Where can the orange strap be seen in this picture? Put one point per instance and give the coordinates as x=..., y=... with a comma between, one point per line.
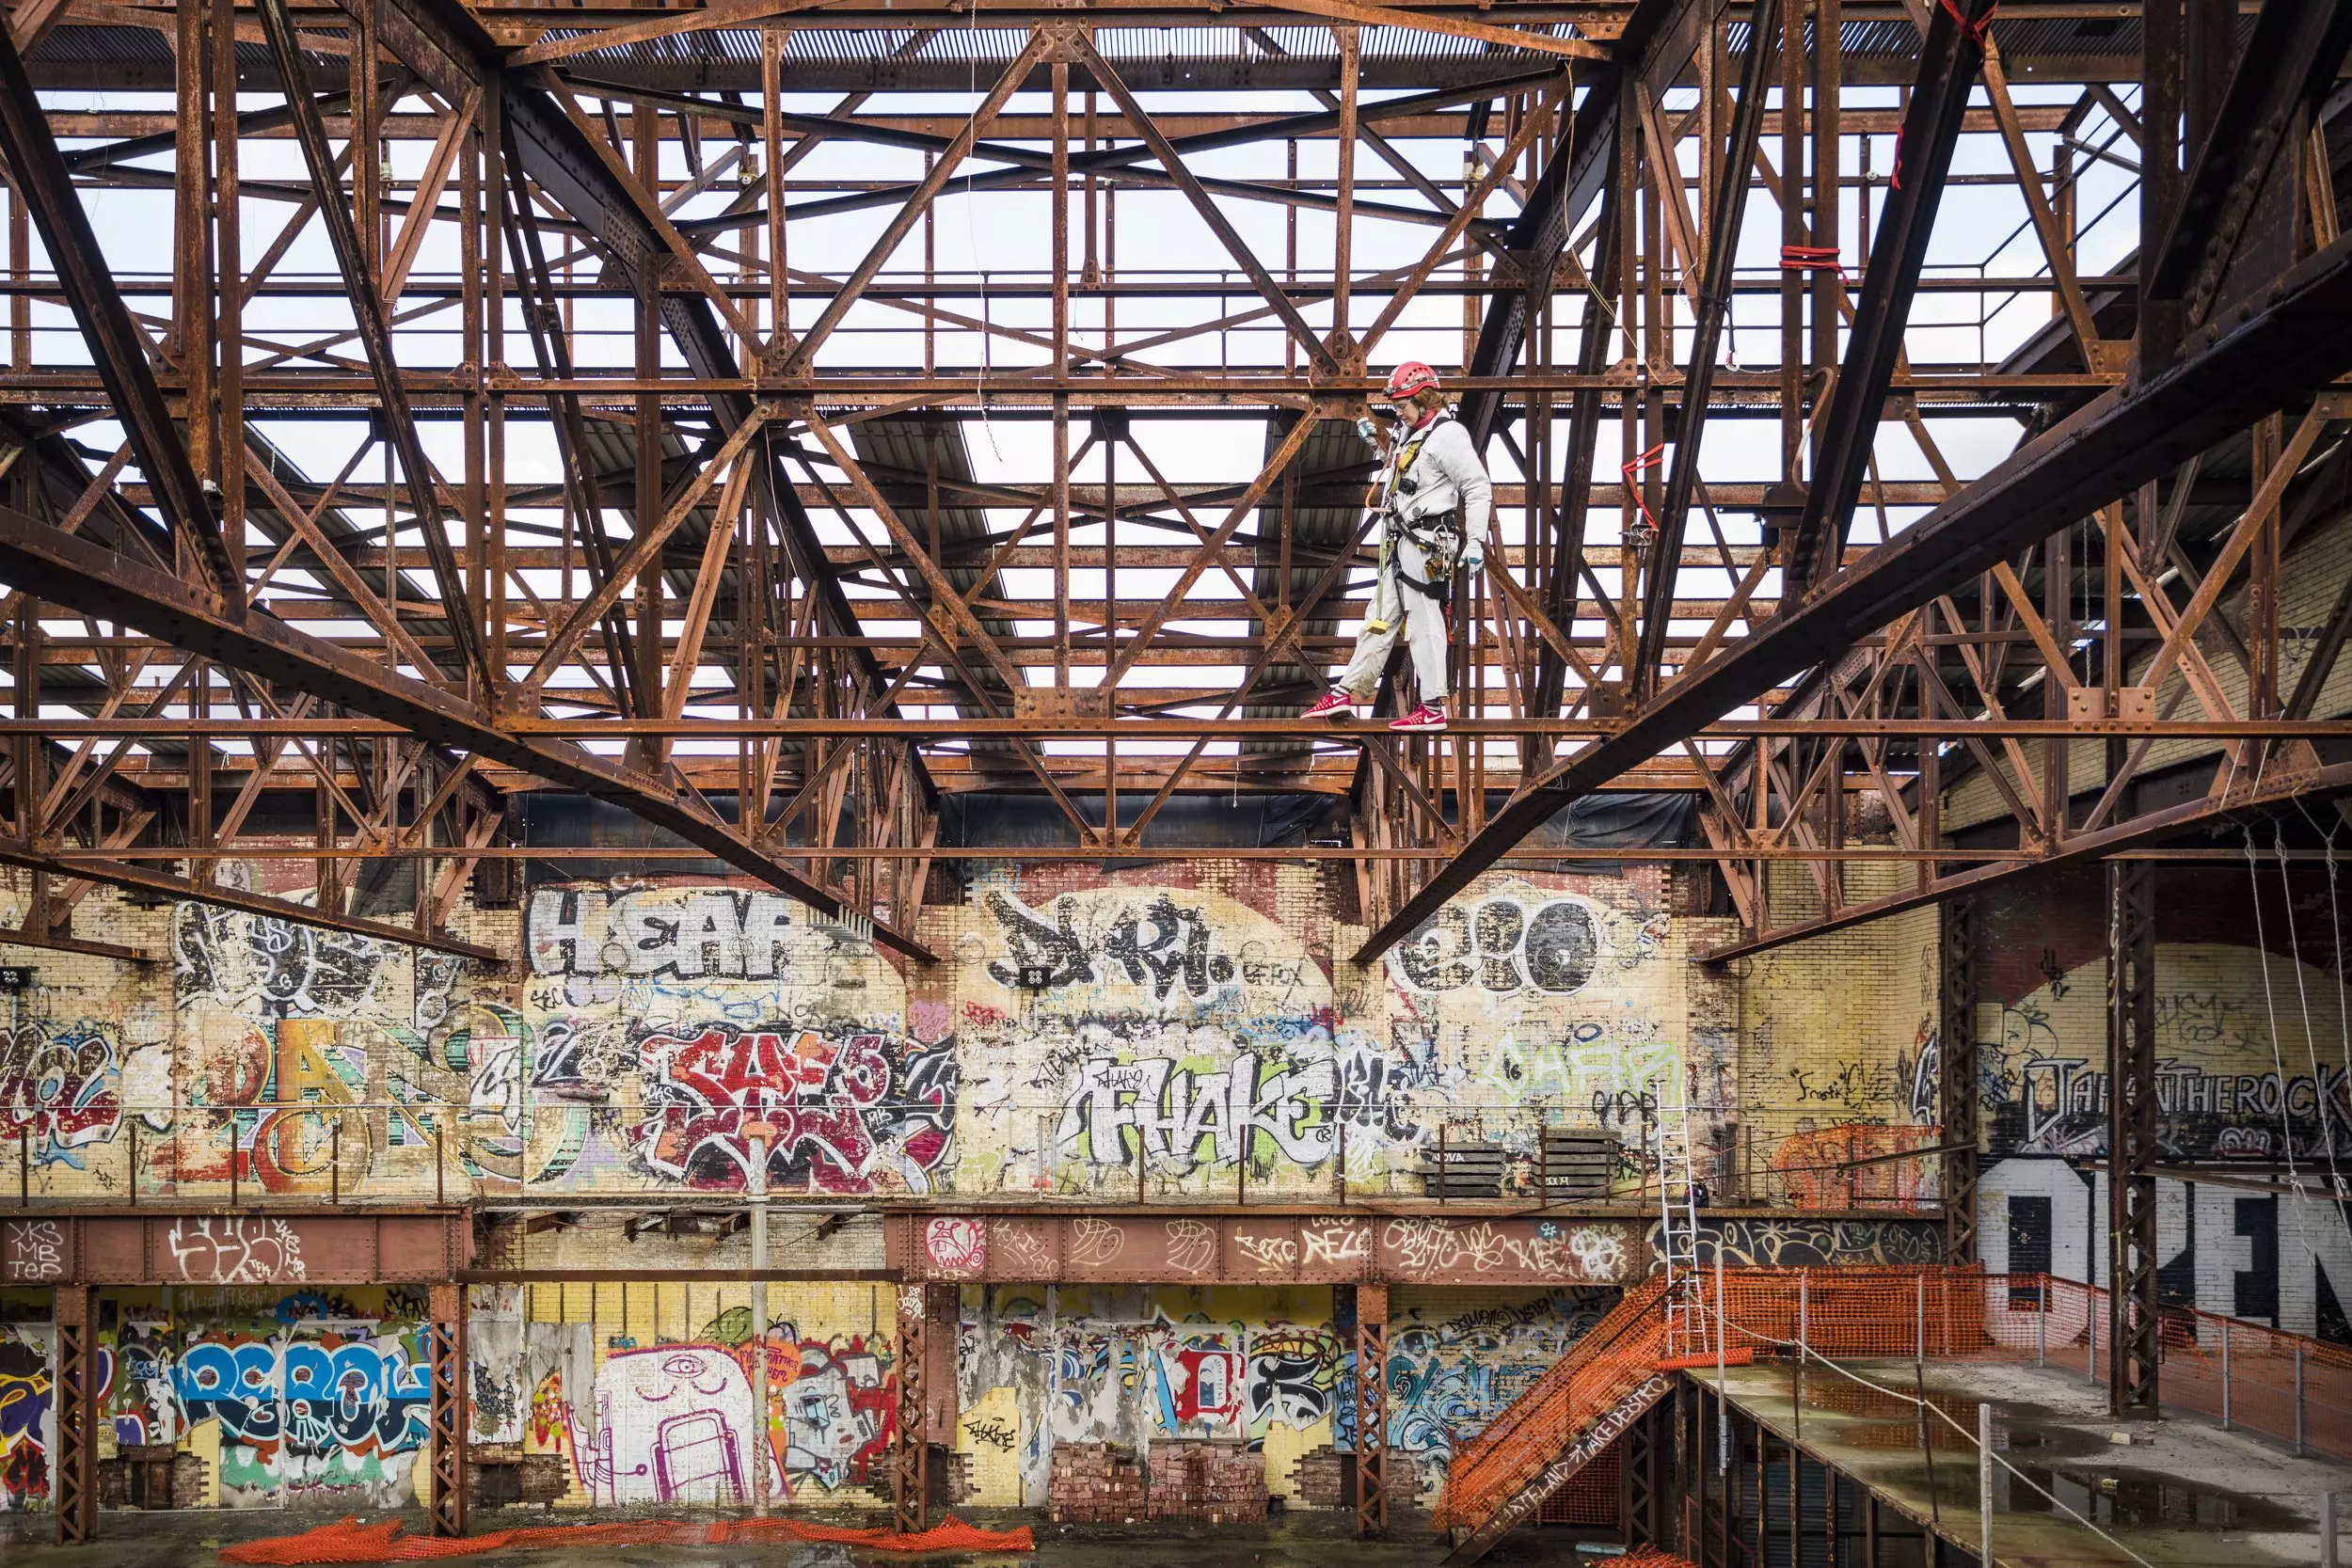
x=1978, y=32
x=1812, y=258
x=1653, y=458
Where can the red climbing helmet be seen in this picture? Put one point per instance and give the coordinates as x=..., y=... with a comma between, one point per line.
x=1408, y=379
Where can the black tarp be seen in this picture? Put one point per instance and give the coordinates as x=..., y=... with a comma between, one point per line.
x=1207, y=821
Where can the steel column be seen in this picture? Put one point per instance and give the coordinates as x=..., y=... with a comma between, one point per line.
x=1957, y=1094
x=73, y=1467
x=2132, y=1142
x=1372, y=1412
x=445, y=1351
x=909, y=1504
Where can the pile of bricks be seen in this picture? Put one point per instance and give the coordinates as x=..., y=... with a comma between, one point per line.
x=1321, y=1478
x=1094, y=1484
x=1219, y=1482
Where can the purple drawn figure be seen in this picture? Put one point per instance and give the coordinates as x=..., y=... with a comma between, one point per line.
x=673, y=1424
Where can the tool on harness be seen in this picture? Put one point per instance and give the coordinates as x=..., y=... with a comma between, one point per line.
x=1438, y=536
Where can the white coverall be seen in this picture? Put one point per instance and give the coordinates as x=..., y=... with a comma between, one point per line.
x=1444, y=475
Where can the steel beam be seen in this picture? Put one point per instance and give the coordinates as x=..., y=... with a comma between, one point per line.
x=450, y=51
x=2296, y=335
x=118, y=348
x=72, y=572
x=1949, y=61
x=110, y=872
x=1714, y=310
x=375, y=336
x=2287, y=67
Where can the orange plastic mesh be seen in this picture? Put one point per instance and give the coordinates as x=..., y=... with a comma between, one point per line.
x=1615, y=1358
x=2287, y=1387
x=1651, y=1556
x=1844, y=1313
x=349, y=1541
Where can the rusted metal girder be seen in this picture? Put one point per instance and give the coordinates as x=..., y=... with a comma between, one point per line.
x=2286, y=69
x=1949, y=61
x=375, y=336
x=2133, y=1297
x=448, y=49
x=243, y=1247
x=104, y=868
x=1569, y=183
x=73, y=572
x=1273, y=1249
x=1714, y=310
x=2289, y=339
x=39, y=178
x=942, y=731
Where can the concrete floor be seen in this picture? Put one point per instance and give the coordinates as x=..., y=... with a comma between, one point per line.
x=2187, y=1495
x=1297, y=1540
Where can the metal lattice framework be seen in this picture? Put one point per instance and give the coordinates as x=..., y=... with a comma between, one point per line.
x=445, y=1353
x=678, y=407
x=73, y=1472
x=910, y=1447
x=1372, y=1412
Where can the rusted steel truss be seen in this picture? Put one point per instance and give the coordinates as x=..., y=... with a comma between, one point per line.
x=752, y=586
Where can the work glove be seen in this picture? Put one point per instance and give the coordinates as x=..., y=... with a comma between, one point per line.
x=1370, y=431
x=1473, y=556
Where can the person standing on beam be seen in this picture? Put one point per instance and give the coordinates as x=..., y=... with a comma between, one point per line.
x=1434, y=499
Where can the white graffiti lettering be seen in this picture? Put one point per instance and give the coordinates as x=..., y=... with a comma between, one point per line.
x=706, y=932
x=235, y=1250
x=34, y=1249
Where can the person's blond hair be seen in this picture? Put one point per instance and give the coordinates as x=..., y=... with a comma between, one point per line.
x=1429, y=400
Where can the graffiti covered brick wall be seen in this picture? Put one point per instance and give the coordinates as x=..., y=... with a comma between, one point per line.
x=1193, y=1029
x=1204, y=1038
x=1039, y=1366
x=2251, y=1060
x=662, y=1021
x=647, y=1393
x=1839, y=1055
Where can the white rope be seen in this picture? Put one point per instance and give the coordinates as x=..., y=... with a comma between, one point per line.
x=1806, y=1353
x=2277, y=1057
x=2311, y=1046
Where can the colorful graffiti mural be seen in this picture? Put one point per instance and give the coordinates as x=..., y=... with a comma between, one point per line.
x=835, y=1105
x=27, y=1425
x=674, y=1422
x=60, y=1089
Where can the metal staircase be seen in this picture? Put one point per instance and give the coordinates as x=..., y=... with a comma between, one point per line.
x=1605, y=1383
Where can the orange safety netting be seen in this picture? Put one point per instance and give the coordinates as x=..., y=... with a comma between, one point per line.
x=1618, y=1356
x=1651, y=1556
x=349, y=1541
x=1847, y=1311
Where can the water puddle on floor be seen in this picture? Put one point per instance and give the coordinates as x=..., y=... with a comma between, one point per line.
x=2135, y=1497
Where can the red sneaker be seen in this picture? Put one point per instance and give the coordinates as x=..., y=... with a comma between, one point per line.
x=1334, y=704
x=1429, y=716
